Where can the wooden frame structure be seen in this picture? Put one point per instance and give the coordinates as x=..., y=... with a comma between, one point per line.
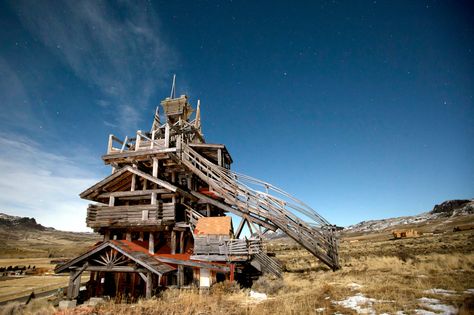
x=163, y=184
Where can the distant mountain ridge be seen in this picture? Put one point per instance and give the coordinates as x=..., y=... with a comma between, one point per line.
x=444, y=212
x=24, y=237
x=11, y=221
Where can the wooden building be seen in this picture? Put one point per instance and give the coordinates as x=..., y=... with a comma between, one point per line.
x=163, y=213
x=406, y=233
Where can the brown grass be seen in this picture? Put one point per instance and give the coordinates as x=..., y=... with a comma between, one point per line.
x=394, y=273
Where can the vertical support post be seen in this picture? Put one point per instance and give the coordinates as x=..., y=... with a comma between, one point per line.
x=134, y=182
x=151, y=243
x=152, y=139
x=149, y=285
x=145, y=184
x=167, y=135
x=180, y=276
x=111, y=201
x=107, y=236
x=70, y=287
x=153, y=198
x=109, y=146
x=77, y=285
x=181, y=242
x=208, y=210
x=155, y=167
x=219, y=157
x=128, y=236
x=140, y=238
x=173, y=242
x=137, y=142
x=232, y=271
x=189, y=182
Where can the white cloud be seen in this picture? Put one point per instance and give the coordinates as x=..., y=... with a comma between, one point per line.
x=119, y=49
x=43, y=185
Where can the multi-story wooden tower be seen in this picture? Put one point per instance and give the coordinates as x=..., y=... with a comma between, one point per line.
x=163, y=213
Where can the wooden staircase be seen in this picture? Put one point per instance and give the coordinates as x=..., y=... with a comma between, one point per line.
x=274, y=206
x=266, y=264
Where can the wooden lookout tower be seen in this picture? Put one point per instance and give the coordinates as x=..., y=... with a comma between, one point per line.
x=163, y=214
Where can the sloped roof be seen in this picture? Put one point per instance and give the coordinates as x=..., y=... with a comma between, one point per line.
x=214, y=226
x=133, y=251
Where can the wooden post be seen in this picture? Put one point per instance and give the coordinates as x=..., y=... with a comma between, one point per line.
x=111, y=201
x=134, y=182
x=219, y=157
x=232, y=270
x=167, y=135
x=180, y=276
x=70, y=287
x=155, y=167
x=107, y=236
x=149, y=285
x=109, y=147
x=153, y=198
x=181, y=242
x=140, y=238
x=208, y=210
x=137, y=142
x=173, y=242
x=128, y=236
x=77, y=285
x=151, y=243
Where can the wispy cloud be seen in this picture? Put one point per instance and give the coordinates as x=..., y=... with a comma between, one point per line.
x=118, y=49
x=43, y=185
x=14, y=99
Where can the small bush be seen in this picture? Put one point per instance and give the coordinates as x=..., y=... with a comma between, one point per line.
x=225, y=287
x=268, y=284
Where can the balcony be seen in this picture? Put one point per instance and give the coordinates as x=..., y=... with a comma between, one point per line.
x=130, y=216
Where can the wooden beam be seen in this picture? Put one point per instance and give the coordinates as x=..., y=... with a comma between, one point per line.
x=149, y=285
x=173, y=242
x=119, y=194
x=240, y=228
x=115, y=269
x=155, y=167
x=180, y=276
x=151, y=243
x=181, y=242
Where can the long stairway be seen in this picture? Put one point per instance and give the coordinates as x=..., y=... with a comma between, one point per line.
x=273, y=205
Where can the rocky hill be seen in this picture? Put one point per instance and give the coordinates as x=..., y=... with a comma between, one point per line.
x=442, y=217
x=23, y=237
x=15, y=222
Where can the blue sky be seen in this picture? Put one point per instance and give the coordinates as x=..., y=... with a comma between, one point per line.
x=362, y=109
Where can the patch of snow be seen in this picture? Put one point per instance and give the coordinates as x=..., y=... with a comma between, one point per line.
x=354, y=286
x=440, y=292
x=436, y=305
x=258, y=296
x=469, y=291
x=320, y=309
x=359, y=303
x=424, y=312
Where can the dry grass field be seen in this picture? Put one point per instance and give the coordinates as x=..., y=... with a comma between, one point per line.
x=25, y=243
x=425, y=275
x=13, y=287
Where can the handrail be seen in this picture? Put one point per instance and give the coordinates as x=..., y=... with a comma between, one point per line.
x=317, y=236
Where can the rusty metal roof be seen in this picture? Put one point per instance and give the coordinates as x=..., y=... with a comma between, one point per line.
x=132, y=250
x=214, y=226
